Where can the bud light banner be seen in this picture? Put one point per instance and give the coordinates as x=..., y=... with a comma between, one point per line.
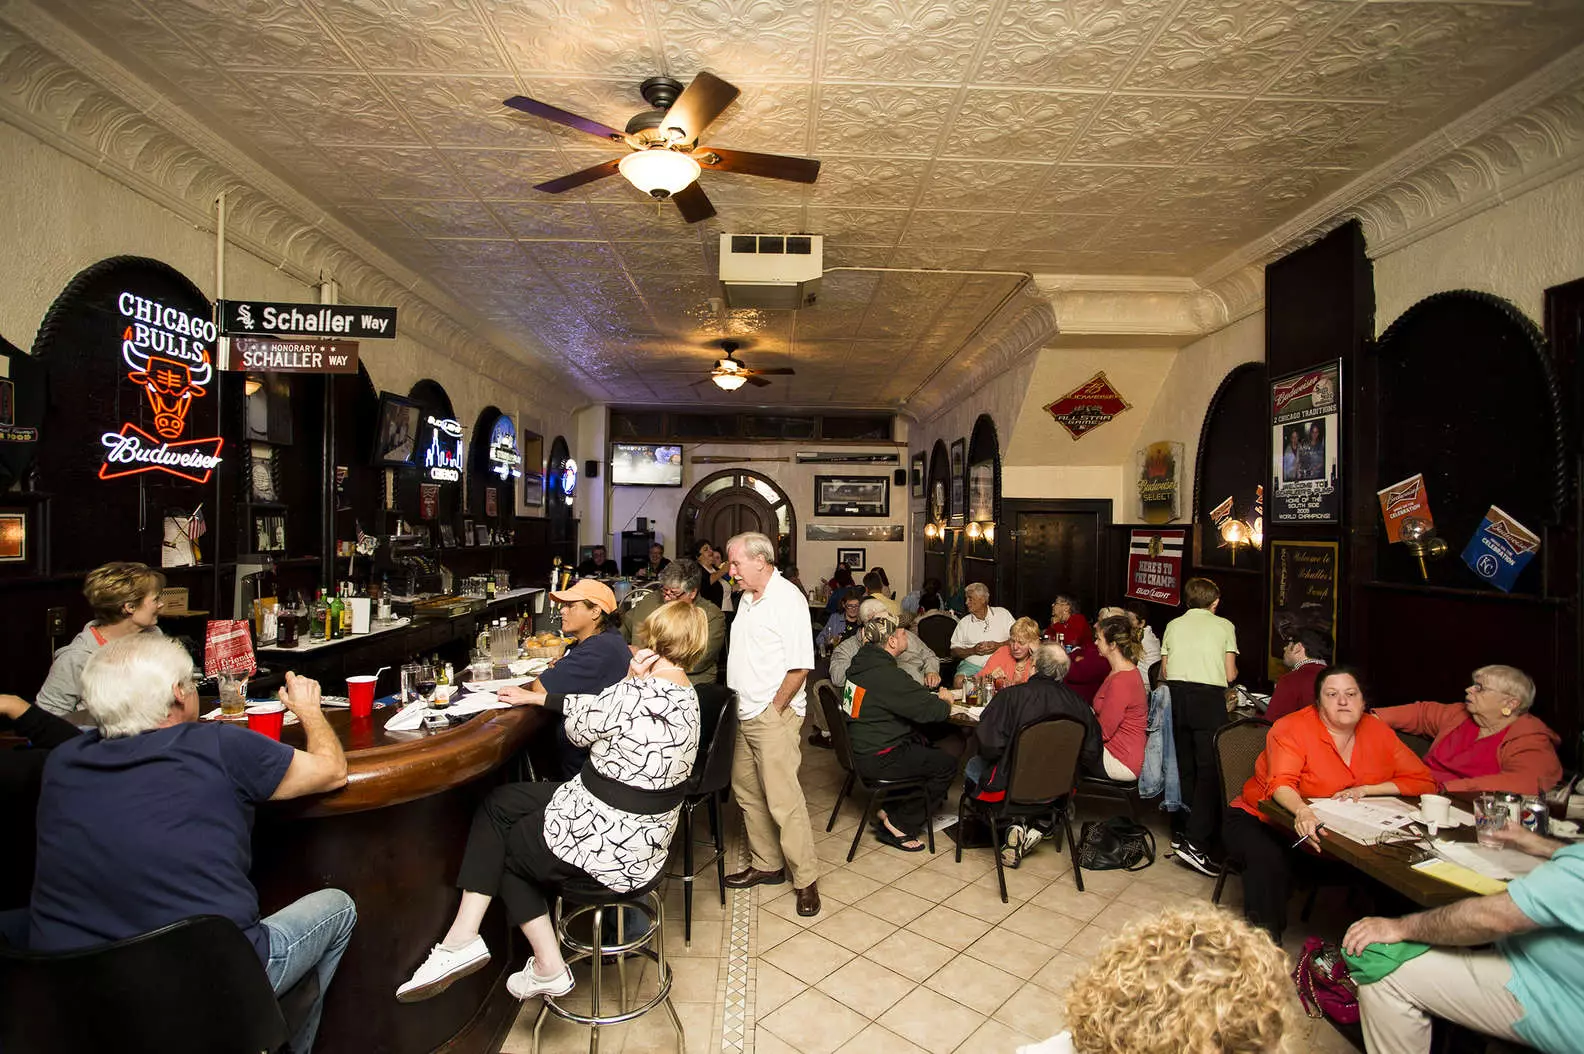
x=1154, y=571
x=1306, y=437
x=1500, y=549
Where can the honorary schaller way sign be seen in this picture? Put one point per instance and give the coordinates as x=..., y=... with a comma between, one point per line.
x=274, y=355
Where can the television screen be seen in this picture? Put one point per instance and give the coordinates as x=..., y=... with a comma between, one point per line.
x=645, y=465
x=398, y=430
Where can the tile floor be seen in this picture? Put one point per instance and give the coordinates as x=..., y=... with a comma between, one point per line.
x=911, y=952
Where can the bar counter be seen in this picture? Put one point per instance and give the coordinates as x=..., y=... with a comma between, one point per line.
x=392, y=838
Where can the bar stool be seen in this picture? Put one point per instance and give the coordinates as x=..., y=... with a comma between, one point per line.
x=594, y=902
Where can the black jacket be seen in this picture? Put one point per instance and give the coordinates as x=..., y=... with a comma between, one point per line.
x=884, y=705
x=1022, y=704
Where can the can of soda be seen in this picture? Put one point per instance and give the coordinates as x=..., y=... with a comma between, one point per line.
x=1535, y=816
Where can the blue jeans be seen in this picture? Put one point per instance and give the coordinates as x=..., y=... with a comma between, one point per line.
x=309, y=934
x=974, y=771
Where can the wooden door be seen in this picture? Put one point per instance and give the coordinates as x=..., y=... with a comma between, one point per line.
x=1056, y=548
x=732, y=512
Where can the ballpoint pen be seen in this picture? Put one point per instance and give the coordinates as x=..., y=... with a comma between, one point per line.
x=1318, y=828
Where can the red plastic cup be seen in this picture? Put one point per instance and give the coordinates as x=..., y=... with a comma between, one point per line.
x=360, y=690
x=267, y=719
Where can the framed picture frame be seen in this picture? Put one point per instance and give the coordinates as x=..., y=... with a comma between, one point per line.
x=916, y=475
x=1306, y=446
x=467, y=532
x=13, y=537
x=855, y=559
x=959, y=483
x=852, y=495
x=447, y=536
x=981, y=492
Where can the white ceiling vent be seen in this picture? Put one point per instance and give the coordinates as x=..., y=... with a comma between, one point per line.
x=771, y=271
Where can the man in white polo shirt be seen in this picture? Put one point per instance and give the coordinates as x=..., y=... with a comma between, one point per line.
x=980, y=632
x=772, y=651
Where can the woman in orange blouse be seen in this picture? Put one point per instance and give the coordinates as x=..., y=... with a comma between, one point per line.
x=1332, y=749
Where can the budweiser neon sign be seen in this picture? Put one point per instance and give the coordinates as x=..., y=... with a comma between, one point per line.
x=167, y=354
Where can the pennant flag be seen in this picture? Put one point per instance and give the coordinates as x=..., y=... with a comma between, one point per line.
x=1402, y=501
x=1500, y=549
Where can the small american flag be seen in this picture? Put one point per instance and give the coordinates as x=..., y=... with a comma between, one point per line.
x=361, y=537
x=195, y=524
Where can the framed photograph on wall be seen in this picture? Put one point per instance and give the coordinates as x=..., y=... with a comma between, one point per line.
x=855, y=559
x=1306, y=446
x=916, y=476
x=13, y=537
x=852, y=496
x=959, y=453
x=981, y=492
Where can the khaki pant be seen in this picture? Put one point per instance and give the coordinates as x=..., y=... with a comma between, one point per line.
x=765, y=781
x=1466, y=987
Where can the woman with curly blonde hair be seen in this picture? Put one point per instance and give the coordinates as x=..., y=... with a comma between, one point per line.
x=1193, y=981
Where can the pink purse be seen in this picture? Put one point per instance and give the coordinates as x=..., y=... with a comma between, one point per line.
x=1325, y=986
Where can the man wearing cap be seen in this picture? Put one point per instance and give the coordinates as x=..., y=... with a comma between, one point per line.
x=771, y=653
x=597, y=658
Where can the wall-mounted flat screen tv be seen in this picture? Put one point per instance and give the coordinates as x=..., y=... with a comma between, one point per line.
x=397, y=438
x=645, y=465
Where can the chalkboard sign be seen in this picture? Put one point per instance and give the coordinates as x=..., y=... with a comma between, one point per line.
x=1303, y=579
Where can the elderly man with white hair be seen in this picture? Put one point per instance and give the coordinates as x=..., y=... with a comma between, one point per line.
x=980, y=632
x=148, y=819
x=771, y=653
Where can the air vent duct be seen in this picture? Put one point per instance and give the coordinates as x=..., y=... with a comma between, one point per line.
x=777, y=272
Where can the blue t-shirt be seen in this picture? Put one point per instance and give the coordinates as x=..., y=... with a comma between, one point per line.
x=137, y=832
x=589, y=666
x=1548, y=963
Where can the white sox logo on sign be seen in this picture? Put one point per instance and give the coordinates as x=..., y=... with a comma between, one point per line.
x=245, y=316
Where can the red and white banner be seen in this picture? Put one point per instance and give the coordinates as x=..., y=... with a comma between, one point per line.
x=1154, y=569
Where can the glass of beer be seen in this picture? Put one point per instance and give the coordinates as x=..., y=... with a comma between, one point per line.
x=233, y=695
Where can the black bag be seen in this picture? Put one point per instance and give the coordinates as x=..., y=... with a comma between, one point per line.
x=1116, y=844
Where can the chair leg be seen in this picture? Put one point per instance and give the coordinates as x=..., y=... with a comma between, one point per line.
x=929, y=821
x=1215, y=898
x=1072, y=845
x=846, y=790
x=687, y=874
x=869, y=803
x=664, y=968
x=720, y=847
x=962, y=804
x=596, y=968
x=995, y=849
x=621, y=958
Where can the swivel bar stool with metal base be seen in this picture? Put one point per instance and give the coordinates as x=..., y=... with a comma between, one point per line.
x=596, y=903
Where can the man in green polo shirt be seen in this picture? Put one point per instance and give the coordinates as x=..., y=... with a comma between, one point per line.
x=1198, y=661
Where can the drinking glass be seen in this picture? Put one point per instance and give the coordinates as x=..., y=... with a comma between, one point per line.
x=1491, y=814
x=233, y=695
x=426, y=686
x=410, y=675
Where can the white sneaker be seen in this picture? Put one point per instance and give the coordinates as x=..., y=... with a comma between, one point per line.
x=443, y=968
x=525, y=984
x=1012, y=851
x=1032, y=837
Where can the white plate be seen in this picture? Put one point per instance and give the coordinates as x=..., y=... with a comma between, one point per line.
x=1564, y=828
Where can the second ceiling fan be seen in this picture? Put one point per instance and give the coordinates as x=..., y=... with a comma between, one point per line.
x=666, y=159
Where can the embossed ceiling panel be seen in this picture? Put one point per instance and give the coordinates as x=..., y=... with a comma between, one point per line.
x=1147, y=137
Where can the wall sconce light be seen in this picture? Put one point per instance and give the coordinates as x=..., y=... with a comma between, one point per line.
x=1420, y=539
x=989, y=533
x=1235, y=532
x=973, y=529
x=252, y=384
x=931, y=530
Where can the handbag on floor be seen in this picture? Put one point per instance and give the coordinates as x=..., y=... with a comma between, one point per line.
x=1117, y=844
x=1325, y=987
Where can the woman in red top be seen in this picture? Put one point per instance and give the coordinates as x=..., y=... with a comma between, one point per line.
x=1067, y=626
x=1332, y=749
x=1121, y=705
x=1489, y=742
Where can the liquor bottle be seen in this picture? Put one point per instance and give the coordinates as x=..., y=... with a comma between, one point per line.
x=333, y=630
x=318, y=617
x=346, y=610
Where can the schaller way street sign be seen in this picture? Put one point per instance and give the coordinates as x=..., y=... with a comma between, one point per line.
x=264, y=318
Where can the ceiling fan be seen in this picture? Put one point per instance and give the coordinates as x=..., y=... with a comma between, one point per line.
x=666, y=157
x=730, y=374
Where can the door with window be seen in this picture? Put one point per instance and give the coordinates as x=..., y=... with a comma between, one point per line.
x=1056, y=548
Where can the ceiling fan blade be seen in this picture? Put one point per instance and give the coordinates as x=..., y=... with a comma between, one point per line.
x=560, y=116
x=694, y=203
x=779, y=371
x=698, y=106
x=758, y=382
x=748, y=163
x=573, y=180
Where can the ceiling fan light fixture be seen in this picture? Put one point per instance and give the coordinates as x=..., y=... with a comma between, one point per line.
x=729, y=381
x=659, y=172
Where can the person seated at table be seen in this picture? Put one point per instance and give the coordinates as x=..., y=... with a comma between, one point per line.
x=1488, y=742
x=875, y=586
x=791, y=575
x=981, y=631
x=1331, y=749
x=124, y=598
x=843, y=623
x=1043, y=695
x=1138, y=614
x=926, y=598
x=21, y=769
x=1526, y=987
x=841, y=582
x=596, y=659
x=1067, y=624
x=1188, y=979
x=1121, y=704
x=1306, y=653
x=148, y=819
x=657, y=563
x=917, y=660
x=680, y=581
x=1013, y=662
x=885, y=709
x=1089, y=670
x=611, y=824
x=598, y=565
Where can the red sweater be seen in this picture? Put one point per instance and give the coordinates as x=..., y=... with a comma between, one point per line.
x=1122, y=710
x=1074, y=631
x=1526, y=758
x=1294, y=691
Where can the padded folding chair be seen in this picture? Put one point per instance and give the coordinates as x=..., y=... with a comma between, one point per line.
x=874, y=791
x=1237, y=747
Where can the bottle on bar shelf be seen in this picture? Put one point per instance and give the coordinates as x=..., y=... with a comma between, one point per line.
x=333, y=626
x=318, y=617
x=346, y=609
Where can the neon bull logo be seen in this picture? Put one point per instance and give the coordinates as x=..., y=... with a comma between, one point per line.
x=171, y=385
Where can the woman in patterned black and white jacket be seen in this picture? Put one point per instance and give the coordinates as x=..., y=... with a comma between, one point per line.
x=612, y=825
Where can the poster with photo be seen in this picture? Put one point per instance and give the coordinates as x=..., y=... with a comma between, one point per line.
x=1303, y=577
x=959, y=451
x=1306, y=446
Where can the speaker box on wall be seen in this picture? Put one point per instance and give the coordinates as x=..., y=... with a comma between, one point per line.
x=643, y=524
x=899, y=477
x=591, y=470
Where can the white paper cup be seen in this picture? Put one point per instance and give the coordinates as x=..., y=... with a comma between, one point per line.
x=1435, y=809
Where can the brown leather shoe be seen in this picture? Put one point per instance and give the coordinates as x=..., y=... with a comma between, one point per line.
x=808, y=900
x=752, y=876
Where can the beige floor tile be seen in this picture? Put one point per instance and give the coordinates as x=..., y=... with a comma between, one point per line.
x=1109, y=883
x=654, y=1034
x=1120, y=914
x=1048, y=860
x=1062, y=896
x=975, y=862
x=887, y=867
x=1056, y=976
x=814, y=1023
x=982, y=900
x=910, y=955
x=932, y=884
x=894, y=905
x=833, y=851
x=846, y=885
x=1022, y=883
x=1152, y=897
x=785, y=905
x=1011, y=952
x=951, y=928
x=808, y=957
x=773, y=988
x=773, y=929
x=976, y=985
x=767, y=1042
x=695, y=980
x=708, y=937
x=1088, y=942
x=1032, y=1010
x=1048, y=927
x=932, y=1021
x=993, y=1036
x=867, y=987
x=878, y=1040
x=854, y=929
x=559, y=1037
